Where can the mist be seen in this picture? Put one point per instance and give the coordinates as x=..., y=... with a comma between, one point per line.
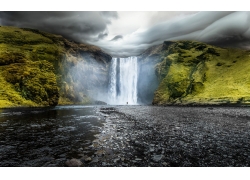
x=86, y=78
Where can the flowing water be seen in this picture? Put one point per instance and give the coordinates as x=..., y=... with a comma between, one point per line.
x=123, y=81
x=46, y=136
x=112, y=85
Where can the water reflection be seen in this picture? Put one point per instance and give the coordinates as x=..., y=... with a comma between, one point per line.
x=46, y=136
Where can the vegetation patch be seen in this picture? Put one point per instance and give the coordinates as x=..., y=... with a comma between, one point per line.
x=193, y=72
x=36, y=69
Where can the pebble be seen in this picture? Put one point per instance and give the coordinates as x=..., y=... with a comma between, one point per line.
x=152, y=149
x=138, y=159
x=157, y=158
x=88, y=159
x=73, y=163
x=164, y=164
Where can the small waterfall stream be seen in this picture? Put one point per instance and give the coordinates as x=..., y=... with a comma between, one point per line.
x=123, y=81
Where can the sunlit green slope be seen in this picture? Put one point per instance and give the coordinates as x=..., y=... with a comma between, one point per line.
x=37, y=69
x=196, y=73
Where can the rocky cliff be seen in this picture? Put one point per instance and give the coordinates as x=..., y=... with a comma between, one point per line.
x=42, y=69
x=147, y=79
x=196, y=73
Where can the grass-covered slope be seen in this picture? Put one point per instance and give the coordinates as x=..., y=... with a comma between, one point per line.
x=197, y=73
x=36, y=69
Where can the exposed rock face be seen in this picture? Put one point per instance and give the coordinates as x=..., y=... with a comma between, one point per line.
x=42, y=69
x=197, y=73
x=147, y=79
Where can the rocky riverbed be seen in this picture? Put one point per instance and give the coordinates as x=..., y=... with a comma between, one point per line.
x=172, y=136
x=127, y=136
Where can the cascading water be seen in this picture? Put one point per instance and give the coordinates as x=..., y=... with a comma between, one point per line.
x=123, y=81
x=112, y=77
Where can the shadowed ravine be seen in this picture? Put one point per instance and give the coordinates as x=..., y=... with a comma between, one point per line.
x=125, y=136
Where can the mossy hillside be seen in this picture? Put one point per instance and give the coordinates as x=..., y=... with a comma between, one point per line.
x=27, y=62
x=194, y=72
x=34, y=80
x=36, y=67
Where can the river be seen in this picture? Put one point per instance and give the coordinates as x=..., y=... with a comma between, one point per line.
x=46, y=136
x=126, y=136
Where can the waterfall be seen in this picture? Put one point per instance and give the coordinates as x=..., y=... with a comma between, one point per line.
x=112, y=82
x=123, y=81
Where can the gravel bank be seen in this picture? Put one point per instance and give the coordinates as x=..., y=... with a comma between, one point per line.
x=172, y=136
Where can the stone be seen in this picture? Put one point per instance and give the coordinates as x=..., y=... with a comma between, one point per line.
x=100, y=152
x=88, y=159
x=164, y=164
x=115, y=160
x=95, y=160
x=152, y=149
x=157, y=158
x=73, y=163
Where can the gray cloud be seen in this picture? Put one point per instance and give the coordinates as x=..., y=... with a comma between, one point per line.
x=110, y=14
x=102, y=35
x=218, y=28
x=227, y=29
x=116, y=38
x=78, y=26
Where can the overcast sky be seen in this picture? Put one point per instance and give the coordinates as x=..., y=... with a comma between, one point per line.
x=130, y=33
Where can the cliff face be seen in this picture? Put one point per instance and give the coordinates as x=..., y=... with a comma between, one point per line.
x=42, y=69
x=197, y=73
x=147, y=79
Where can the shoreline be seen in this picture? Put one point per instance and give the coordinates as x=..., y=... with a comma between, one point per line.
x=141, y=136
x=165, y=105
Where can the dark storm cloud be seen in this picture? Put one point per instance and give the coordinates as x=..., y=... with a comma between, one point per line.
x=102, y=35
x=219, y=28
x=116, y=38
x=78, y=26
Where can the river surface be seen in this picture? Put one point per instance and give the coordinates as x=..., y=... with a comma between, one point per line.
x=125, y=136
x=46, y=136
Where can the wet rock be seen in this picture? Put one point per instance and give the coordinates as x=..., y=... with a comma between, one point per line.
x=100, y=152
x=152, y=149
x=157, y=158
x=116, y=160
x=165, y=164
x=80, y=155
x=95, y=160
x=87, y=159
x=73, y=163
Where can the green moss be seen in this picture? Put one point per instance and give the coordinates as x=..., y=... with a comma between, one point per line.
x=194, y=72
x=36, y=69
x=34, y=81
